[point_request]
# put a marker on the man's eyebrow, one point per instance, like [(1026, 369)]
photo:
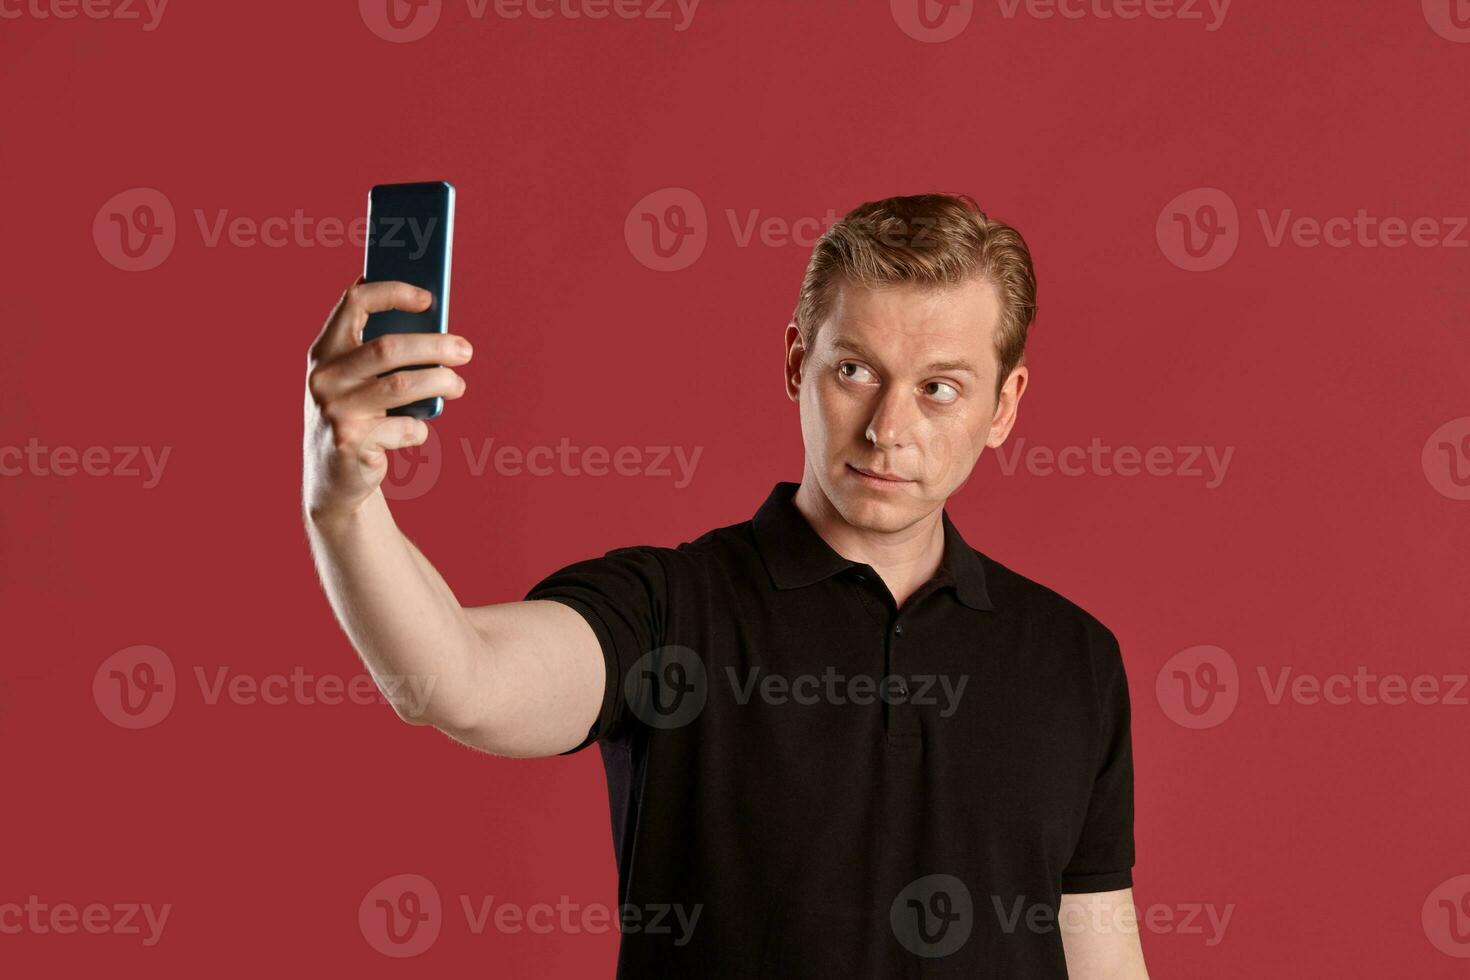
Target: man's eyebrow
[(853, 347)]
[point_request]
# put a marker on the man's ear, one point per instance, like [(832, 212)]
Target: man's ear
[(795, 358), (1007, 406)]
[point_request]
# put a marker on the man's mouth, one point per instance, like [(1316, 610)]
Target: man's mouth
[(879, 477)]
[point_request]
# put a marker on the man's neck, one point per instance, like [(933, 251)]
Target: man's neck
[(904, 559)]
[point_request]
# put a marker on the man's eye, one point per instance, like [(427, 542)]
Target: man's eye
[(853, 371), (947, 394)]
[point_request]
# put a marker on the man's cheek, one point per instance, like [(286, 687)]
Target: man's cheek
[(948, 456), (839, 422)]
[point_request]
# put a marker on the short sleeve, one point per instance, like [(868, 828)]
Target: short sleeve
[(623, 596), (1103, 858)]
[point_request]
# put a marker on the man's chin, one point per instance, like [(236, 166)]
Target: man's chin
[(878, 509)]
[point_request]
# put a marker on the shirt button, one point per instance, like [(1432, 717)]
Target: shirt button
[(898, 629)]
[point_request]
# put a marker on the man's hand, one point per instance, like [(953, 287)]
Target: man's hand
[(348, 431)]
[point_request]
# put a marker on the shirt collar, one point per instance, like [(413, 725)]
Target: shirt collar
[(796, 555)]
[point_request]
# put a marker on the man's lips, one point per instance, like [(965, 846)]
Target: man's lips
[(879, 475)]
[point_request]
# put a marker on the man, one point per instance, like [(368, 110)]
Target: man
[(839, 741)]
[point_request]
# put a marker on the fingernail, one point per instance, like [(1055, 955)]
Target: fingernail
[(462, 348)]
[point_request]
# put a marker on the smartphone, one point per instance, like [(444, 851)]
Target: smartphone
[(411, 239)]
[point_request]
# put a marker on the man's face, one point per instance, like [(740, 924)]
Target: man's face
[(897, 398)]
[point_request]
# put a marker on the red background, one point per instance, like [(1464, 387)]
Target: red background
[(1326, 548)]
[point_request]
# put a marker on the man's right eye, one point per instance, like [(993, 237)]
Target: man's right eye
[(857, 373)]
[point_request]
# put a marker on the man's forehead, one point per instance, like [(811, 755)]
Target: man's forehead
[(951, 322)]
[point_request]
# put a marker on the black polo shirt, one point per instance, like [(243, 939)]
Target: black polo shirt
[(807, 781)]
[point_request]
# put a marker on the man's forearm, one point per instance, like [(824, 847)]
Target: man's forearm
[(512, 678), (400, 614)]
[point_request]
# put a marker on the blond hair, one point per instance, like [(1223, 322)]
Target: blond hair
[(924, 239)]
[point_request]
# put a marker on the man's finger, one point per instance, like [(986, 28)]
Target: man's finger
[(343, 329), (375, 397), (384, 354)]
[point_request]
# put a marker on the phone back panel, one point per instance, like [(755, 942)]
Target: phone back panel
[(411, 239)]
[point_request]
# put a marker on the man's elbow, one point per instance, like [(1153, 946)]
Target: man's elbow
[(462, 721), (425, 702)]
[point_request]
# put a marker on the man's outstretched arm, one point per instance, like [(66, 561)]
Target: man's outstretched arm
[(516, 678)]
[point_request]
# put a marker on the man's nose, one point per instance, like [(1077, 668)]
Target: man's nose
[(893, 420)]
